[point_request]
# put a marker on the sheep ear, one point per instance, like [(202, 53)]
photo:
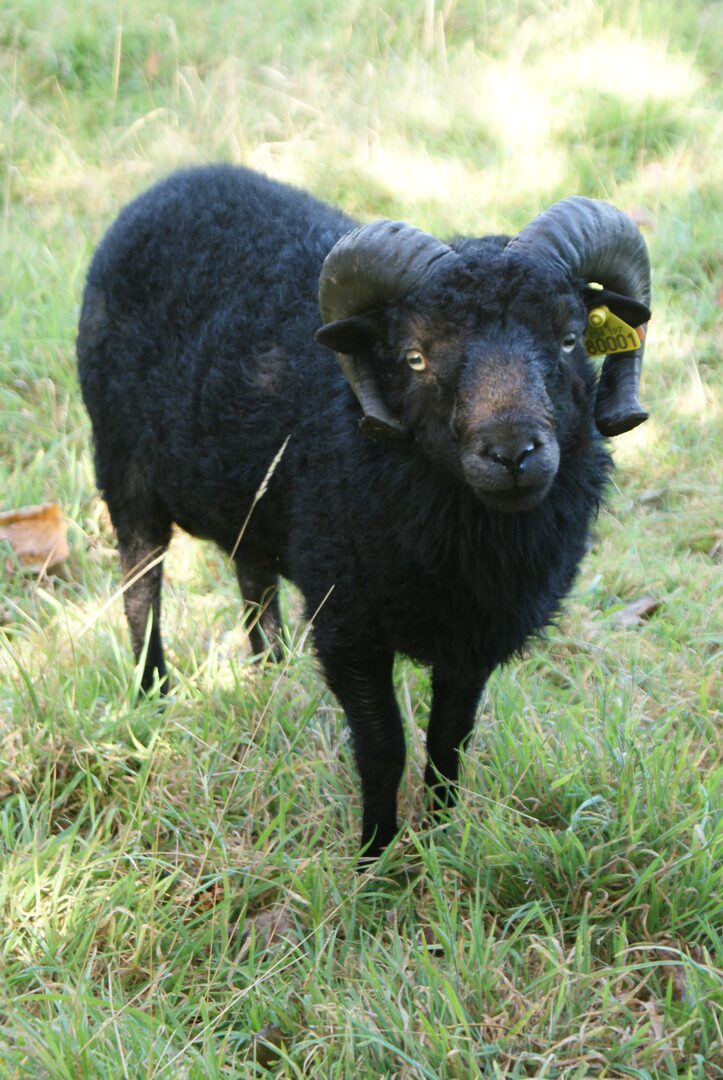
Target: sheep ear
[(352, 340), (351, 336), (631, 311), (616, 401)]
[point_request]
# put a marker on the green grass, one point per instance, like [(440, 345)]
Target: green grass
[(177, 886)]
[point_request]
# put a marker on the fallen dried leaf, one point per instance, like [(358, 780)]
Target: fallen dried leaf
[(642, 217), (391, 918), (707, 541), (656, 1019), (674, 972), (209, 898), (265, 1045), (14, 772), (652, 495), (431, 941), (680, 983), (37, 535), (153, 63), (635, 613), (268, 928)]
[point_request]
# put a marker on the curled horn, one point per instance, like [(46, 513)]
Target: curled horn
[(367, 268), (593, 240)]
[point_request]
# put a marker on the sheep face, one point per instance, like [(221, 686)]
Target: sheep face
[(491, 381)]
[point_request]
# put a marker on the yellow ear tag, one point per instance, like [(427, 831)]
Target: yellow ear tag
[(606, 334)]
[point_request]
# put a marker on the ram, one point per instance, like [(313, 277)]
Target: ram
[(434, 481)]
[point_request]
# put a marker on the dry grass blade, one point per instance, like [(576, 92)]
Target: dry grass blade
[(262, 489)]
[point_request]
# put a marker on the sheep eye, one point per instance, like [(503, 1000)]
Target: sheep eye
[(416, 360), (569, 342)]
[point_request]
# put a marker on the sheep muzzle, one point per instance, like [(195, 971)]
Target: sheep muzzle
[(510, 462), (509, 452)]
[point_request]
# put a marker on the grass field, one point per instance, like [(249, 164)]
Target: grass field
[(177, 887)]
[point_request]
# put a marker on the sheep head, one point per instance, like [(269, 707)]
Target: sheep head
[(476, 351)]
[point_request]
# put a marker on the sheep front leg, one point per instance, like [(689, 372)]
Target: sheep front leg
[(454, 708), (362, 681)]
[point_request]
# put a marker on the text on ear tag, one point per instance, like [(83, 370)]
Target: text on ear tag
[(606, 334)]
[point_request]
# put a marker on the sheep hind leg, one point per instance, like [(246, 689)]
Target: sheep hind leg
[(454, 708), (142, 547), (260, 590)]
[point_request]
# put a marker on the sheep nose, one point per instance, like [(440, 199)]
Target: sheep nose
[(511, 455)]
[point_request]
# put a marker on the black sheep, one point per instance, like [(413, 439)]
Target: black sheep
[(445, 518)]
